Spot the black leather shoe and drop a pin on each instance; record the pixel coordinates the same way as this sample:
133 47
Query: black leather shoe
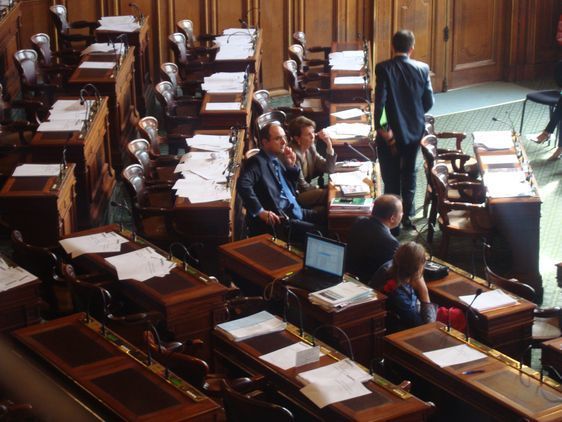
407 224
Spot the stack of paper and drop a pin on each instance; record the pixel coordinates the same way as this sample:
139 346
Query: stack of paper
219 106
11 277
104 48
252 326
333 383
69 110
349 113
141 265
348 130
349 80
235 44
212 143
491 299
118 24
94 243
34 170
293 355
508 183
229 82
97 65
454 355
342 294
348 178
347 205
347 60
493 140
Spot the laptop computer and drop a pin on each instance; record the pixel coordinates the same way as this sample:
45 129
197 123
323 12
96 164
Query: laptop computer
323 264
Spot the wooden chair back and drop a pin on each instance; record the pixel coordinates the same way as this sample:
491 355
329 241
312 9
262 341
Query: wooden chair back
290 70
185 26
60 18
299 37
27 65
296 53
262 101
148 128
440 182
169 72
274 116
165 95
139 150
42 45
177 43
87 297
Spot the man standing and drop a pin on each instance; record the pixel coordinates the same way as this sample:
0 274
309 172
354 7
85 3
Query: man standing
403 91
370 243
267 186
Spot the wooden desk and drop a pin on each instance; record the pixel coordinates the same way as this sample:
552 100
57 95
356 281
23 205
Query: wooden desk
349 92
43 209
10 42
259 261
552 353
518 221
217 222
119 86
501 391
365 145
224 119
140 39
90 152
19 306
507 329
190 301
381 405
114 372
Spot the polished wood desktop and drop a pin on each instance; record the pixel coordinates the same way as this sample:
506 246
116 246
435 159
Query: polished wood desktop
115 372
191 302
10 22
506 329
140 39
348 93
365 145
518 220
386 402
43 209
19 306
499 389
119 86
90 152
552 353
260 261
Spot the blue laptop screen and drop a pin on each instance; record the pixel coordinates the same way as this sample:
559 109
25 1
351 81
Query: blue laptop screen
324 255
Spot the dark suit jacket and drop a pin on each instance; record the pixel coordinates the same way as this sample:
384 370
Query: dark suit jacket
404 88
259 186
369 245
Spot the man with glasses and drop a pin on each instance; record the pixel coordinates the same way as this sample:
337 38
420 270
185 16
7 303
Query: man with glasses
267 186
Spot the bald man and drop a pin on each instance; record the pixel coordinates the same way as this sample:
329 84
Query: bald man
370 243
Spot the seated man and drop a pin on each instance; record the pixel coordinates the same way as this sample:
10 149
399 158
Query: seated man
268 187
312 164
370 243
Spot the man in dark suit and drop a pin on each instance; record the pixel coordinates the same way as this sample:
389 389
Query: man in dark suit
370 243
267 185
403 91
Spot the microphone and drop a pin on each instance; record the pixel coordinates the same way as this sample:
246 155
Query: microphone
83 101
187 254
552 370
356 151
522 356
342 332
123 38
470 310
139 17
509 123
289 292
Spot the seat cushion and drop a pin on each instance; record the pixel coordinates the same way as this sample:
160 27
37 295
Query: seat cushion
545 329
467 222
549 98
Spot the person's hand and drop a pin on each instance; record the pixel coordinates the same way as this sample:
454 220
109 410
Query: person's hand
269 218
418 284
388 137
324 137
290 156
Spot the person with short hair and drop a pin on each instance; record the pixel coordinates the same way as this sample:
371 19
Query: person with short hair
408 300
267 186
370 243
302 135
403 93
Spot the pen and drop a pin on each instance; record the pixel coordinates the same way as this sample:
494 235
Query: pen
475 371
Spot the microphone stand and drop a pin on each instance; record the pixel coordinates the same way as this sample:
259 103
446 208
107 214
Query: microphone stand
356 151
289 292
470 309
342 332
187 254
139 17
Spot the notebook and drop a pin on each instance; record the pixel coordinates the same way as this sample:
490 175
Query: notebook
323 264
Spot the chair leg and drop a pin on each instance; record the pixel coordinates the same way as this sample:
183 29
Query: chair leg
432 219
444 244
522 116
426 203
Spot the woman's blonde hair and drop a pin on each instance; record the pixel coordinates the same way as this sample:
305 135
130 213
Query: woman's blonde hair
408 259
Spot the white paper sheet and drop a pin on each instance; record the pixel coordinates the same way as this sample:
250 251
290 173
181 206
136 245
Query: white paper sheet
251 326
61 126
349 113
31 170
223 106
333 391
454 355
11 277
344 370
94 243
493 140
348 130
103 48
285 358
211 143
499 159
347 178
349 80
141 265
70 106
97 65
491 299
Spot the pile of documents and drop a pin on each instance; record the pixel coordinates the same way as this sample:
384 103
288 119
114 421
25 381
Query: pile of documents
357 205
104 48
347 60
93 243
229 82
297 354
236 44
493 140
454 355
203 177
37 170
348 130
507 183
141 265
350 113
212 143
355 182
252 326
11 277
342 294
491 299
340 381
66 116
118 24
349 80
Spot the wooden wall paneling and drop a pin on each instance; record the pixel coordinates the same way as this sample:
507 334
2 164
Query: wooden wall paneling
225 14
275 22
318 20
35 18
545 49
383 28
80 10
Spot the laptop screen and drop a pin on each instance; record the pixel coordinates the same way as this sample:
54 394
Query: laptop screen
324 255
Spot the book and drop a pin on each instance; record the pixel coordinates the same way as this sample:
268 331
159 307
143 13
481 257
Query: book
342 294
251 326
358 204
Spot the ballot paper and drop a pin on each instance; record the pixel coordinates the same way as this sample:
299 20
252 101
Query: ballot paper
94 243
454 355
493 140
349 113
11 277
97 65
333 391
286 357
344 370
33 170
491 299
251 326
223 106
61 126
211 143
348 80
104 48
141 265
348 130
